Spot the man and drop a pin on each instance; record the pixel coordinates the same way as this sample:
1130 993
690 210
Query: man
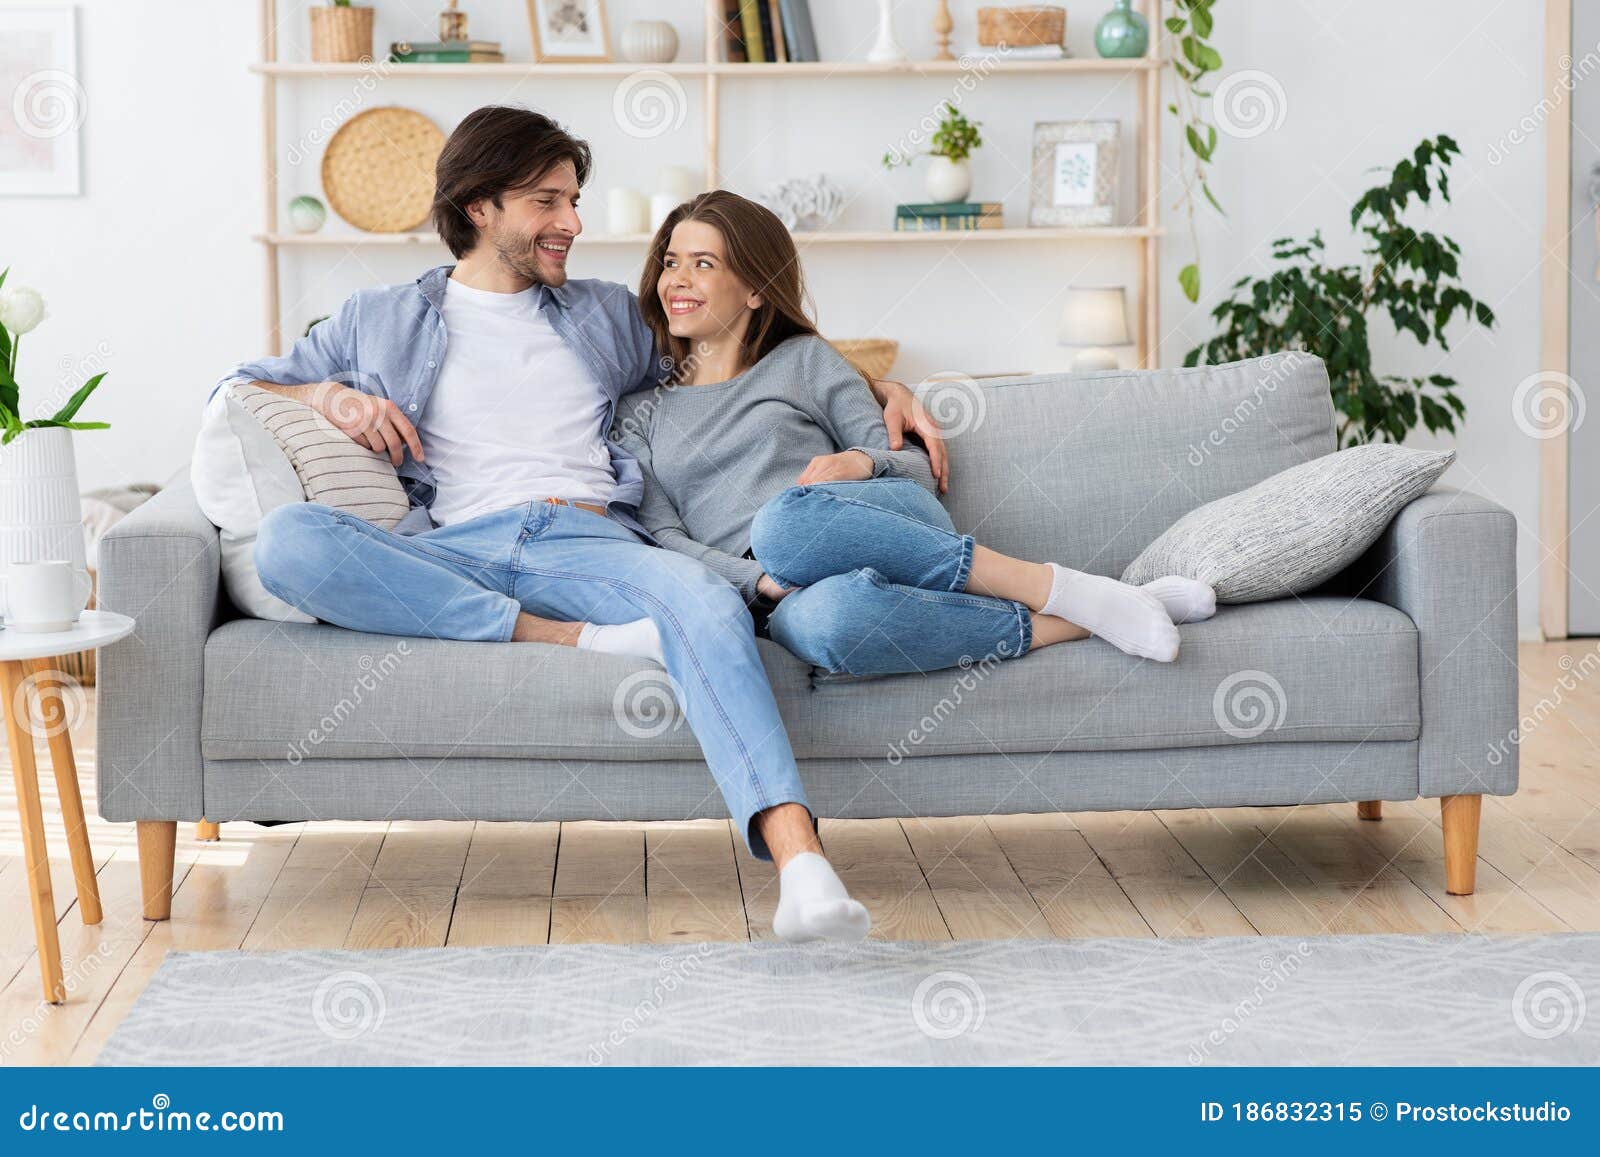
491 386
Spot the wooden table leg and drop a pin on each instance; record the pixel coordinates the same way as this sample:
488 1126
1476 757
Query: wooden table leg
49 683
26 774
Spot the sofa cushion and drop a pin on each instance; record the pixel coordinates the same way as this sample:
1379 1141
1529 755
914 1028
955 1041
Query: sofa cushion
1087 469
1306 670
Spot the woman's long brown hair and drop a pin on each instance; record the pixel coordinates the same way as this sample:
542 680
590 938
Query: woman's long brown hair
759 253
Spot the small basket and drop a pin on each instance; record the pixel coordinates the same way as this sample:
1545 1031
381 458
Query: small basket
341 35
1022 27
873 356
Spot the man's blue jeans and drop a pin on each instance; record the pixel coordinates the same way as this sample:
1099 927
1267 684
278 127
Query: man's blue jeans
884 575
470 580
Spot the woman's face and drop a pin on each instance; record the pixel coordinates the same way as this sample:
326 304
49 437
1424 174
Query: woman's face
701 296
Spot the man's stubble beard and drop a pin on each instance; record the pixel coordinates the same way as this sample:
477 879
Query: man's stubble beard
519 254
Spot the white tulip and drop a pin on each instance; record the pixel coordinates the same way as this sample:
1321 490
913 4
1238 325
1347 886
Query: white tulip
21 309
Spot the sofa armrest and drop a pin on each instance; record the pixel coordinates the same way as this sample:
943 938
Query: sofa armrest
162 565
1449 561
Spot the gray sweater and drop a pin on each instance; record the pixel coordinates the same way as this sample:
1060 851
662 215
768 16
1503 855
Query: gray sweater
714 455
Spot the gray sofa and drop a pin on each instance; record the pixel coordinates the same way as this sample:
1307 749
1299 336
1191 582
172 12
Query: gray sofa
1396 681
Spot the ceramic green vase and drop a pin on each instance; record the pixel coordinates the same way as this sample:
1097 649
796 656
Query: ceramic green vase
1122 32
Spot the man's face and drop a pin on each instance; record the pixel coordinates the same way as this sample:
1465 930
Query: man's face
532 229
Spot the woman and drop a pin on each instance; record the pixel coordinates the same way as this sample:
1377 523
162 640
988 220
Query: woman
767 460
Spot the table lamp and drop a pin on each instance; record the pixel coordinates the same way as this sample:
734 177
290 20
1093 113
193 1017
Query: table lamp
1094 319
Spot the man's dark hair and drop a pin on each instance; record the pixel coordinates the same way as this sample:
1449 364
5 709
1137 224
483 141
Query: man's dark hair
496 150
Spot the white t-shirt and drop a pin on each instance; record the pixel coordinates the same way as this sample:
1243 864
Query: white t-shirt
515 414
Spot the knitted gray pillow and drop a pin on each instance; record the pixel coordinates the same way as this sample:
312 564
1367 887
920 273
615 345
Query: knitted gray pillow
1295 530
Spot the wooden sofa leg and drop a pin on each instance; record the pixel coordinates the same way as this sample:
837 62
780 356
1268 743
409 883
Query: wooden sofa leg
207 832
158 849
1369 809
1459 814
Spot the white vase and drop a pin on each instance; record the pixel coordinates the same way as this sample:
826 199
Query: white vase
887 49
40 516
649 42
948 180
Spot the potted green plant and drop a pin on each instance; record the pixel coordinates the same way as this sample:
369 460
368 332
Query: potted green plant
949 176
39 517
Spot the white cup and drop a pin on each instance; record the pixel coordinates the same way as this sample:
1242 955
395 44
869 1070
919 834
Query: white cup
43 596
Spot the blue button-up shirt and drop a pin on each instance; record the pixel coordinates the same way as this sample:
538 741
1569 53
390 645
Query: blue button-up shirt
390 342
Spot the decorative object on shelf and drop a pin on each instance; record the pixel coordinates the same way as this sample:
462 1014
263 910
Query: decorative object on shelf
446 52
627 212
949 176
942 24
887 49
873 356
569 31
677 180
1074 173
1022 27
649 42
307 214
1122 32
660 205
377 171
945 216
452 23
1188 32
43 103
39 515
1095 320
805 203
341 33
1408 274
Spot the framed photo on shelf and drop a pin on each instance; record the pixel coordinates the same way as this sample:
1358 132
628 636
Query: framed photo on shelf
1074 173
568 31
44 103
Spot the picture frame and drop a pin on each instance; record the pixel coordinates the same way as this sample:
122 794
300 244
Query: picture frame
42 103
1075 173
569 31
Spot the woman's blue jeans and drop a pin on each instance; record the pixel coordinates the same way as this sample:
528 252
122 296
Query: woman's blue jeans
883 576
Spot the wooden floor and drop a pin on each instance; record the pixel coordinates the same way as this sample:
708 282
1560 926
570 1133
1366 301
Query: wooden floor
1300 871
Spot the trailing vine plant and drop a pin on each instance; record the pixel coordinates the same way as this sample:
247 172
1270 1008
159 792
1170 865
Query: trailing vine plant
1189 25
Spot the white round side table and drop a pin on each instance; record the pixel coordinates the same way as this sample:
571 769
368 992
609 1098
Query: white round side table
26 673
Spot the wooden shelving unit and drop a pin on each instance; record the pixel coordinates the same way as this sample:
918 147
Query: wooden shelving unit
1145 231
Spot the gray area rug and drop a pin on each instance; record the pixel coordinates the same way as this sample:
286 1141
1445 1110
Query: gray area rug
1342 1000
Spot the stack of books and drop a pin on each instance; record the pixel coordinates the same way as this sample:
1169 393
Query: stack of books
767 31
947 215
446 52
1018 52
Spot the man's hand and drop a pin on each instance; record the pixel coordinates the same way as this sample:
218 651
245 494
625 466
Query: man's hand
846 466
769 587
902 412
376 423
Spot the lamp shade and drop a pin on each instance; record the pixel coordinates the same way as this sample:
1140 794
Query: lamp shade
1095 315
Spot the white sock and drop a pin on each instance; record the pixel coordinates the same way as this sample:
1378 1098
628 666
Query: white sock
1187 600
1127 617
813 903
639 637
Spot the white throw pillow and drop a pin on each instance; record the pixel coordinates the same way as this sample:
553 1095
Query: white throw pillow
239 473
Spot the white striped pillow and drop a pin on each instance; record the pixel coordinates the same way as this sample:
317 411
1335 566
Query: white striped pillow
332 469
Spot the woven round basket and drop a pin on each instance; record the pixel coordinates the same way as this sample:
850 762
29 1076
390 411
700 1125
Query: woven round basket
341 35
378 169
1022 27
873 356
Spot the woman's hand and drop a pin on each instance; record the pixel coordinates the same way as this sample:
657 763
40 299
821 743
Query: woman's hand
769 588
902 412
845 466
374 422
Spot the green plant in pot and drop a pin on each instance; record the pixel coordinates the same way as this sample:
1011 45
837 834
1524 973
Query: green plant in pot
1409 275
949 176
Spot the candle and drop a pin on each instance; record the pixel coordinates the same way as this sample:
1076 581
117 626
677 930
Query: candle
626 212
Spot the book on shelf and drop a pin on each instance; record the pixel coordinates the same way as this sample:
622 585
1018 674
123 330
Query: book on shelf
950 209
447 58
750 21
733 50
774 30
799 37
955 222
406 47
768 32
1019 52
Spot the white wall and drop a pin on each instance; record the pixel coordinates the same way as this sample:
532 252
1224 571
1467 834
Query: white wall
154 269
